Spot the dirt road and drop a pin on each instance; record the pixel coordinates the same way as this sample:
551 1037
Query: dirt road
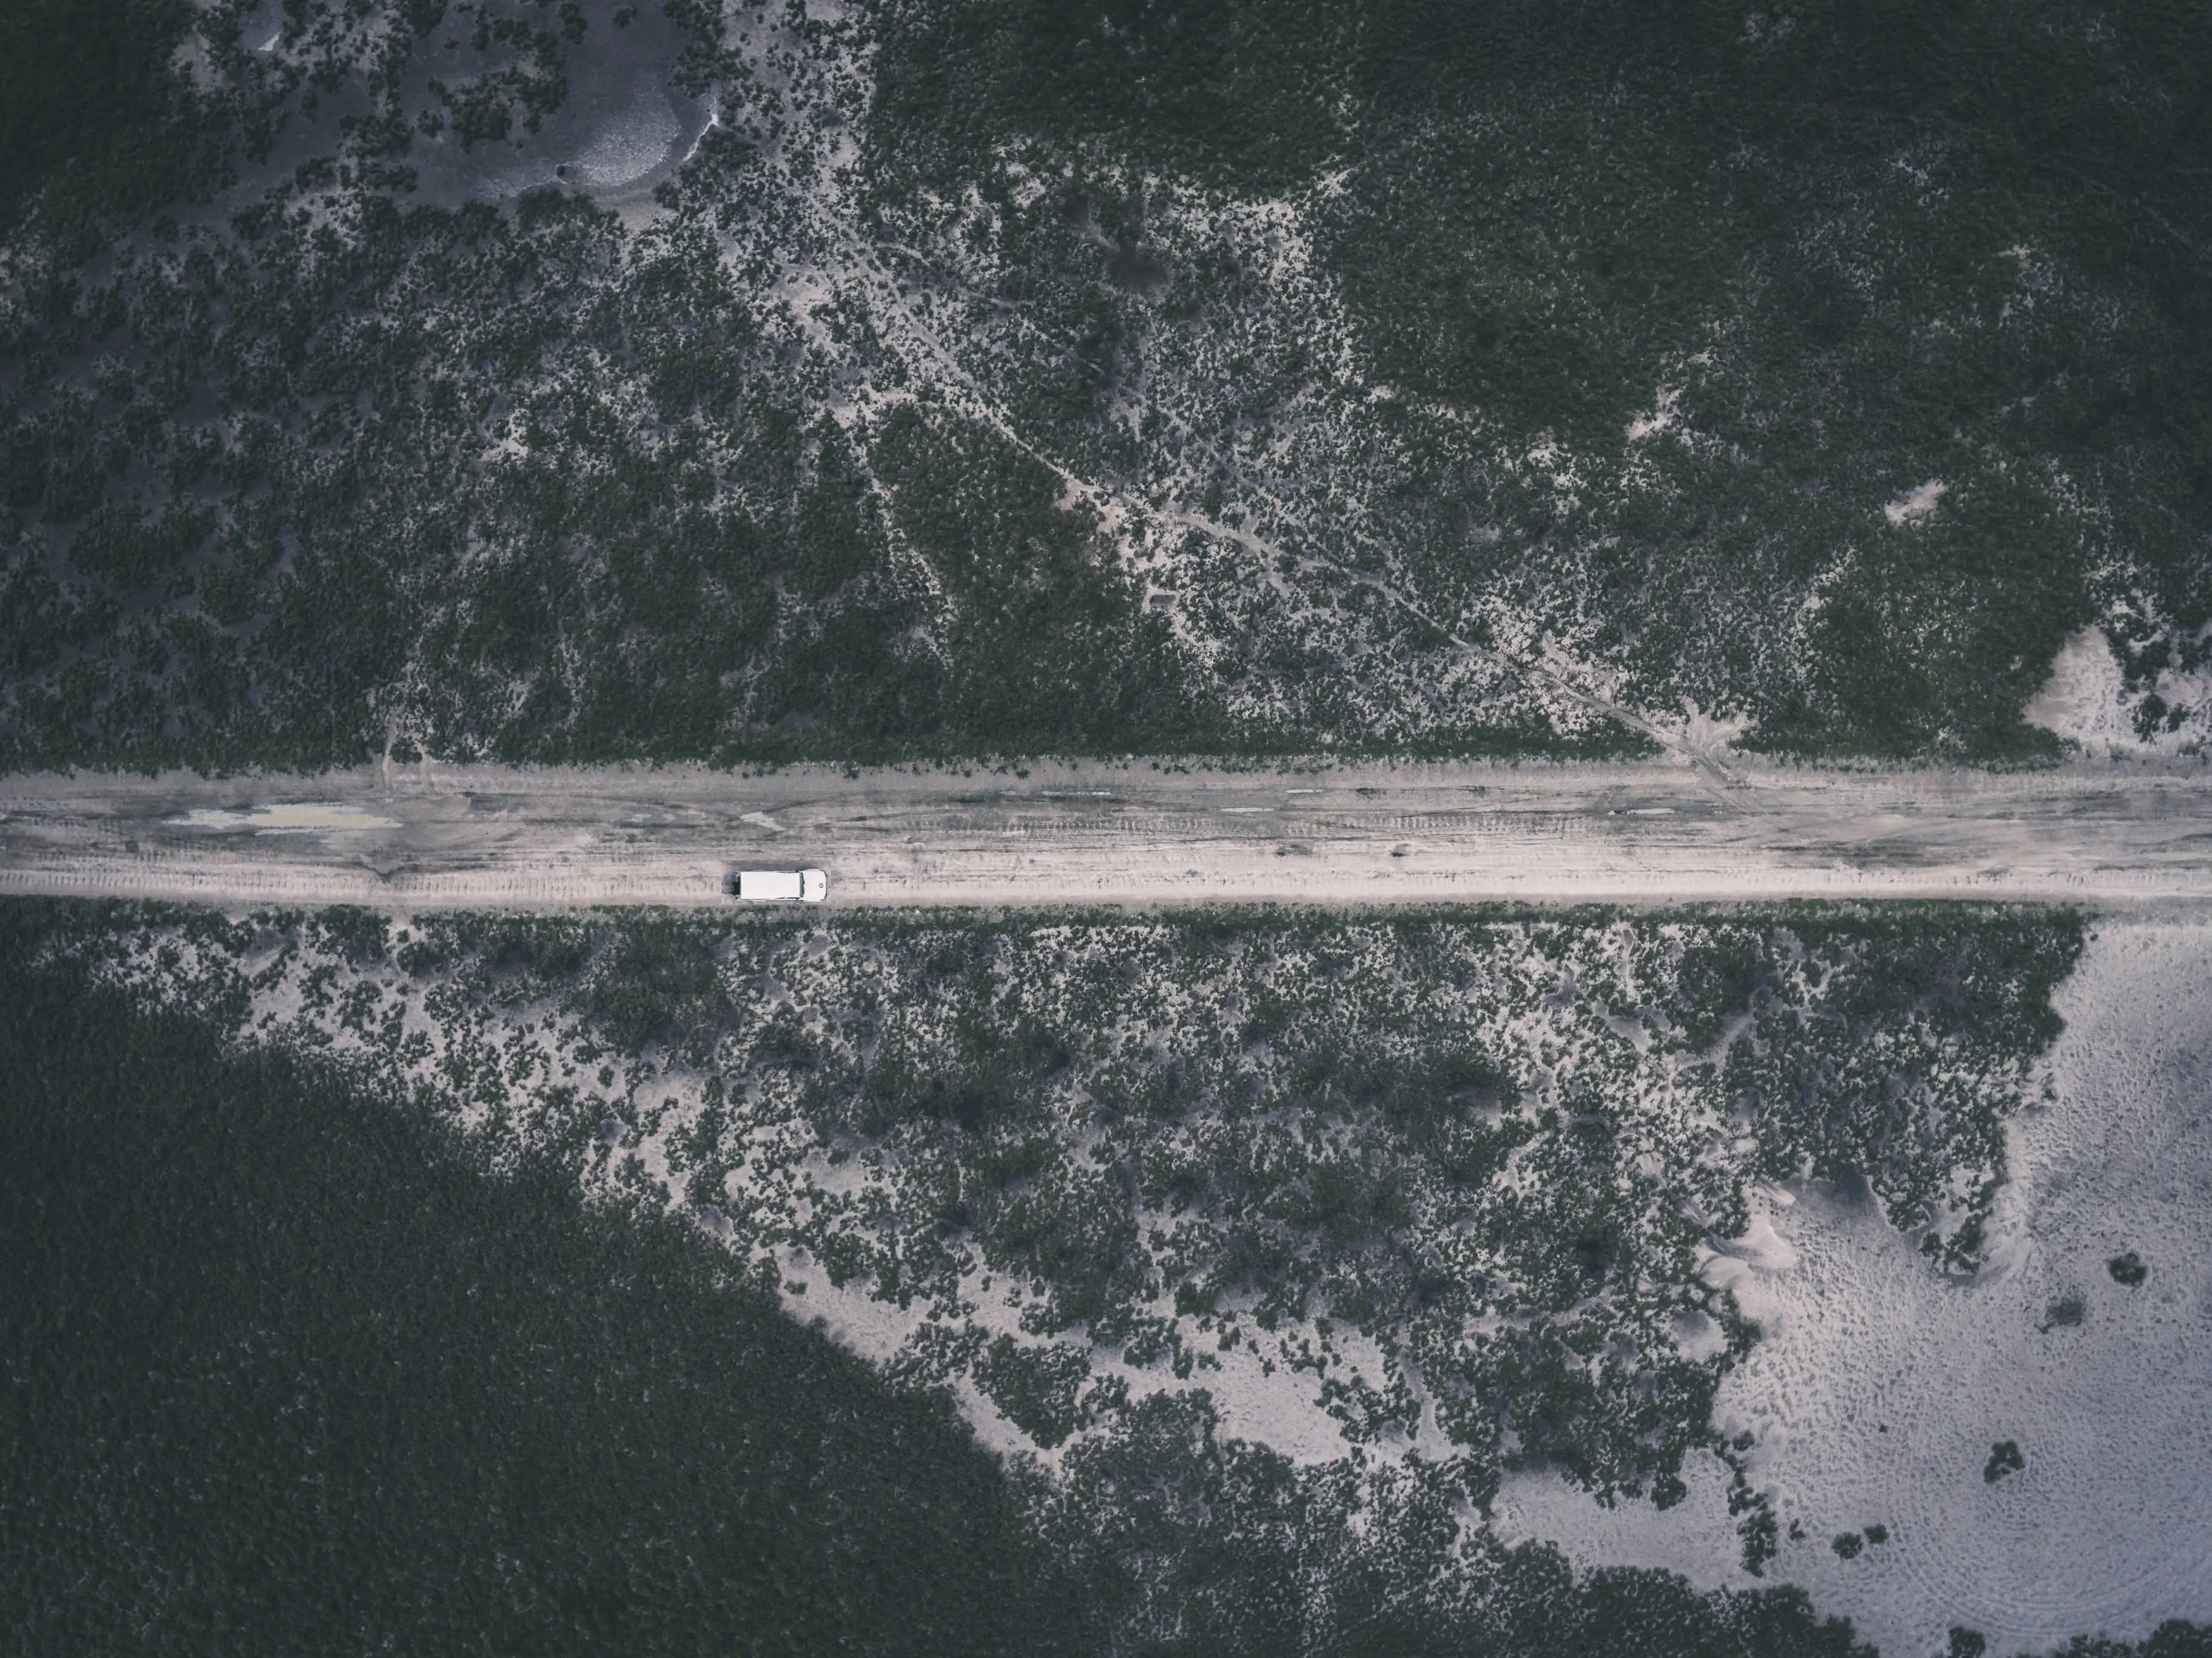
1140 834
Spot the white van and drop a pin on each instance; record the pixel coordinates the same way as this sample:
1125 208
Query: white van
777 886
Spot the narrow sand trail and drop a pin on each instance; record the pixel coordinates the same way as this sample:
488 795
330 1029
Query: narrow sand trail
1135 834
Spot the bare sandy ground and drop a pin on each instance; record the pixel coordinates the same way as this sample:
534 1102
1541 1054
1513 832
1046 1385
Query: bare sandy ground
1880 1386
1136 834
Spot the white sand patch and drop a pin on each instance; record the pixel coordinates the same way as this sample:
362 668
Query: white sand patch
193 61
2108 1529
1882 1386
1255 1398
303 819
627 149
848 1313
1696 1537
2085 699
1698 1338
1761 1249
1266 1403
1664 410
1916 505
1704 736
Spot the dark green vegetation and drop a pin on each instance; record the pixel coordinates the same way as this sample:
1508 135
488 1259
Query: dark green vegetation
2004 1458
2128 1269
282 1370
310 607
1492 1151
712 579
345 472
90 115
285 1365
1850 1545
1151 366
1840 248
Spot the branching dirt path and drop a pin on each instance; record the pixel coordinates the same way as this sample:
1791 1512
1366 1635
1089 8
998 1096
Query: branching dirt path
1137 834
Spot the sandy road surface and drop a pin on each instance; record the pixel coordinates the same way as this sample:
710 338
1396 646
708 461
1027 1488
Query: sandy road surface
413 838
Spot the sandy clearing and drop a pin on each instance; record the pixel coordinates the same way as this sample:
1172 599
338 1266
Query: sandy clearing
2108 1529
1882 1386
1136 834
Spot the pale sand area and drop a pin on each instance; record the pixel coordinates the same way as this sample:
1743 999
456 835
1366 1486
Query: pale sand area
1882 1386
